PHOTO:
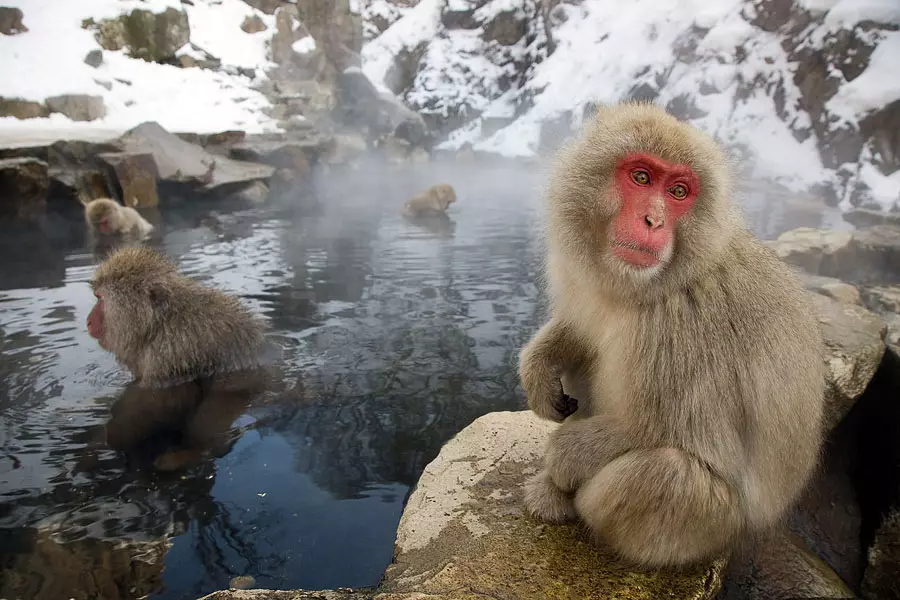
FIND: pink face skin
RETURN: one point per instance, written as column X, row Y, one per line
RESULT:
column 103, row 225
column 655, row 194
column 95, row 321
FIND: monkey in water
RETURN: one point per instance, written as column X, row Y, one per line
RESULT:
column 433, row 201
column 196, row 355
column 682, row 356
column 106, row 216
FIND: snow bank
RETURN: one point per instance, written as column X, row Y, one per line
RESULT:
column 606, row 50
column 49, row 60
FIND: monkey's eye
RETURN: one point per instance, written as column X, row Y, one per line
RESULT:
column 640, row 177
column 678, row 191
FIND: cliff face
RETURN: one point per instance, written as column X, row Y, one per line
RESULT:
column 805, row 92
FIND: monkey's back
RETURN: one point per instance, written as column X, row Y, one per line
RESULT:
column 729, row 368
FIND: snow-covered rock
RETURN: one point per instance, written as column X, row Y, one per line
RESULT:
column 807, row 92
column 48, row 60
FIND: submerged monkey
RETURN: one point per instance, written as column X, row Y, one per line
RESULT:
column 433, row 201
column 196, row 355
column 108, row 217
column 692, row 350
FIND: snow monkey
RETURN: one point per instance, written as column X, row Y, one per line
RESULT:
column 107, row 216
column 165, row 327
column 193, row 352
column 434, row 200
column 693, row 353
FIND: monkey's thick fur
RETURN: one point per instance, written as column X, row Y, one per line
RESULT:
column 700, row 384
column 434, row 200
column 120, row 219
column 166, row 328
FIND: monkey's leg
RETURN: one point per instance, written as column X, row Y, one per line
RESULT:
column 576, row 452
column 661, row 508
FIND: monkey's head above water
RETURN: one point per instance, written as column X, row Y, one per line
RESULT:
column 103, row 215
column 640, row 196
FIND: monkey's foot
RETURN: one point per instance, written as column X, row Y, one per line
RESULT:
column 546, row 501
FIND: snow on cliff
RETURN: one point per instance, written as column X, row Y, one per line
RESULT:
column 48, row 60
column 744, row 70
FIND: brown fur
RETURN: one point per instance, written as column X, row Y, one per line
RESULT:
column 700, row 382
column 165, row 327
column 120, row 219
column 435, row 199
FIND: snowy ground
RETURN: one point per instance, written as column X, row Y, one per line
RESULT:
column 606, row 48
column 49, row 60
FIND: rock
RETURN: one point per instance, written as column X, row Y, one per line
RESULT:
column 296, row 156
column 882, row 575
column 858, row 256
column 221, row 138
column 783, row 567
column 136, row 175
column 381, row 113
column 181, row 162
column 345, row 148
column 885, row 300
column 338, row 594
column 255, row 193
column 78, row 107
column 22, row 109
column 463, row 533
column 506, row 28
column 833, row 288
column 154, row 37
column 11, row 21
column 74, row 169
column 253, row 24
column 24, row 184
column 337, row 28
column 242, row 582
column 854, row 341
column 863, row 217
column 94, row 58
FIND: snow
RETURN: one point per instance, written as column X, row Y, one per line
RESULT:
column 48, row 60
column 739, row 78
column 304, row 45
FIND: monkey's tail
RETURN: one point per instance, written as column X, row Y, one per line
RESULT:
column 661, row 508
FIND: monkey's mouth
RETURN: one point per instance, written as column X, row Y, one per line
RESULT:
column 635, row 254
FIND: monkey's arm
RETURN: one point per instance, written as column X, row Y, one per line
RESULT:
column 542, row 362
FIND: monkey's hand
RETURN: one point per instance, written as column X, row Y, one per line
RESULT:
column 540, row 367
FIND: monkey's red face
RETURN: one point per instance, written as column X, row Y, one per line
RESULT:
column 95, row 321
column 654, row 194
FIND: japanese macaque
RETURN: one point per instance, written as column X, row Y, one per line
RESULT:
column 432, row 201
column 106, row 216
column 196, row 355
column 682, row 356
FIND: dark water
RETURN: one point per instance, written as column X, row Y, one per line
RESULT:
column 401, row 333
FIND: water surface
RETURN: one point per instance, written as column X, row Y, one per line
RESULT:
column 400, row 333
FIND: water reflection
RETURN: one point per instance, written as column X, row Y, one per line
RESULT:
column 399, row 332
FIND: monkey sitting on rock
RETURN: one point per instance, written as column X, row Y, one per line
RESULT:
column 108, row 217
column 682, row 357
column 430, row 202
column 195, row 354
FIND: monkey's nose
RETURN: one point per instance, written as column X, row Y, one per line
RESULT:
column 653, row 222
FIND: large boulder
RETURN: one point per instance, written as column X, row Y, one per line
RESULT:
column 23, row 188
column 154, row 37
column 463, row 533
column 882, row 577
column 885, row 300
column 180, row 162
column 78, row 107
column 854, row 341
column 136, row 176
column 22, row 109
column 11, row 21
column 363, row 106
column 865, row 255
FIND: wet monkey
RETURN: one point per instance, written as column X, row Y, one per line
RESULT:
column 692, row 350
column 196, row 354
column 432, row 201
column 108, row 217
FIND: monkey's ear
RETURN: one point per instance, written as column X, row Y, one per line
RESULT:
column 160, row 298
